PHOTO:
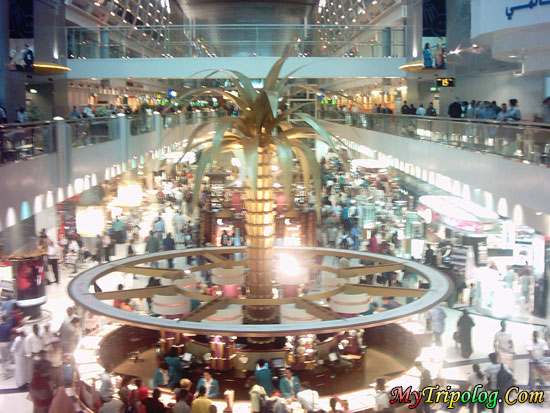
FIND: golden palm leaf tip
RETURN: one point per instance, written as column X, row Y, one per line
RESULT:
column 260, row 133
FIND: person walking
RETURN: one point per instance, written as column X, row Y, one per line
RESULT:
column 5, row 333
column 106, row 244
column 152, row 246
column 429, row 256
column 436, row 323
column 543, row 114
column 168, row 244
column 475, row 379
column 499, row 378
column 53, row 259
column 40, row 392
column 159, row 228
column 537, row 349
column 504, row 346
column 464, row 327
column 19, row 356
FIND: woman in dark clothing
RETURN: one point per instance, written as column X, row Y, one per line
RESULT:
column 464, row 326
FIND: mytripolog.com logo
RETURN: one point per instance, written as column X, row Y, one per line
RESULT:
column 453, row 398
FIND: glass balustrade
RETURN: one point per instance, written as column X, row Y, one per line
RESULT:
column 126, row 42
column 140, row 124
column 520, row 140
column 90, row 131
column 19, row 141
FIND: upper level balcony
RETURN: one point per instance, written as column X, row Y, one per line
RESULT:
column 182, row 51
column 507, row 163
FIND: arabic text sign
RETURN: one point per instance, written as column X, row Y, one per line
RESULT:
column 528, row 5
column 490, row 16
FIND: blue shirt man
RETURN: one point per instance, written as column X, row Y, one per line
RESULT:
column 263, row 377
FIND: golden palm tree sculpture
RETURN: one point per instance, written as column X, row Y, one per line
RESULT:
column 261, row 133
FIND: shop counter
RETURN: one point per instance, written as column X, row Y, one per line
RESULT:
column 114, row 343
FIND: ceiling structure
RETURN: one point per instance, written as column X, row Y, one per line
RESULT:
column 248, row 12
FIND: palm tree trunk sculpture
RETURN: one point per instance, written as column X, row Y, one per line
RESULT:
column 259, row 220
column 261, row 133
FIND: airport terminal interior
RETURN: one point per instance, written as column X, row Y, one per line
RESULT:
column 274, row 206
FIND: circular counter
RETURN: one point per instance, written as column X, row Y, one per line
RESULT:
column 133, row 352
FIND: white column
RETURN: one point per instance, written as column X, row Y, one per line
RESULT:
column 64, row 151
column 123, row 131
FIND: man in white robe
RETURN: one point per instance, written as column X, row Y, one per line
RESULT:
column 19, row 355
column 33, row 346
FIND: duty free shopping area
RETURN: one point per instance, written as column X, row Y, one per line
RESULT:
column 239, row 206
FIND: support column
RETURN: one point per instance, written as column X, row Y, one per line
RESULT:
column 104, row 43
column 123, row 132
column 157, row 129
column 386, row 42
column 64, row 152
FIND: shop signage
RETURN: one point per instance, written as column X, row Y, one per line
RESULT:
column 528, row 5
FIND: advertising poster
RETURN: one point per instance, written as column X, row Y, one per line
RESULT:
column 30, row 282
column 21, row 44
column 434, row 32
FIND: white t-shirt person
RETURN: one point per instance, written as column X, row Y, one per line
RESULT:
column 503, row 342
column 536, row 349
column 309, row 399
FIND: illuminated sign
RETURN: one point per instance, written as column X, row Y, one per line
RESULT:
column 172, row 93
column 445, row 82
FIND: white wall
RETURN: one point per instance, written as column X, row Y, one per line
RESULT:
column 490, row 16
column 254, row 67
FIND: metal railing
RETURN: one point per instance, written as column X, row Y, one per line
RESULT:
column 235, row 40
column 140, row 124
column 19, row 141
column 90, row 131
column 520, row 140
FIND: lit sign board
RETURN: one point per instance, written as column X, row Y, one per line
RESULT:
column 445, row 82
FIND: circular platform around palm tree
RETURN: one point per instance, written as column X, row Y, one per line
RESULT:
column 332, row 309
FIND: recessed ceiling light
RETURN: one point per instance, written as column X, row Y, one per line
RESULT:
column 513, row 57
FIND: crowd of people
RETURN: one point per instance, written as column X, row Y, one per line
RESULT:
column 42, row 360
column 129, row 394
column 481, row 109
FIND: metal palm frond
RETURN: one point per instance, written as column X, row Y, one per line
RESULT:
column 260, row 128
